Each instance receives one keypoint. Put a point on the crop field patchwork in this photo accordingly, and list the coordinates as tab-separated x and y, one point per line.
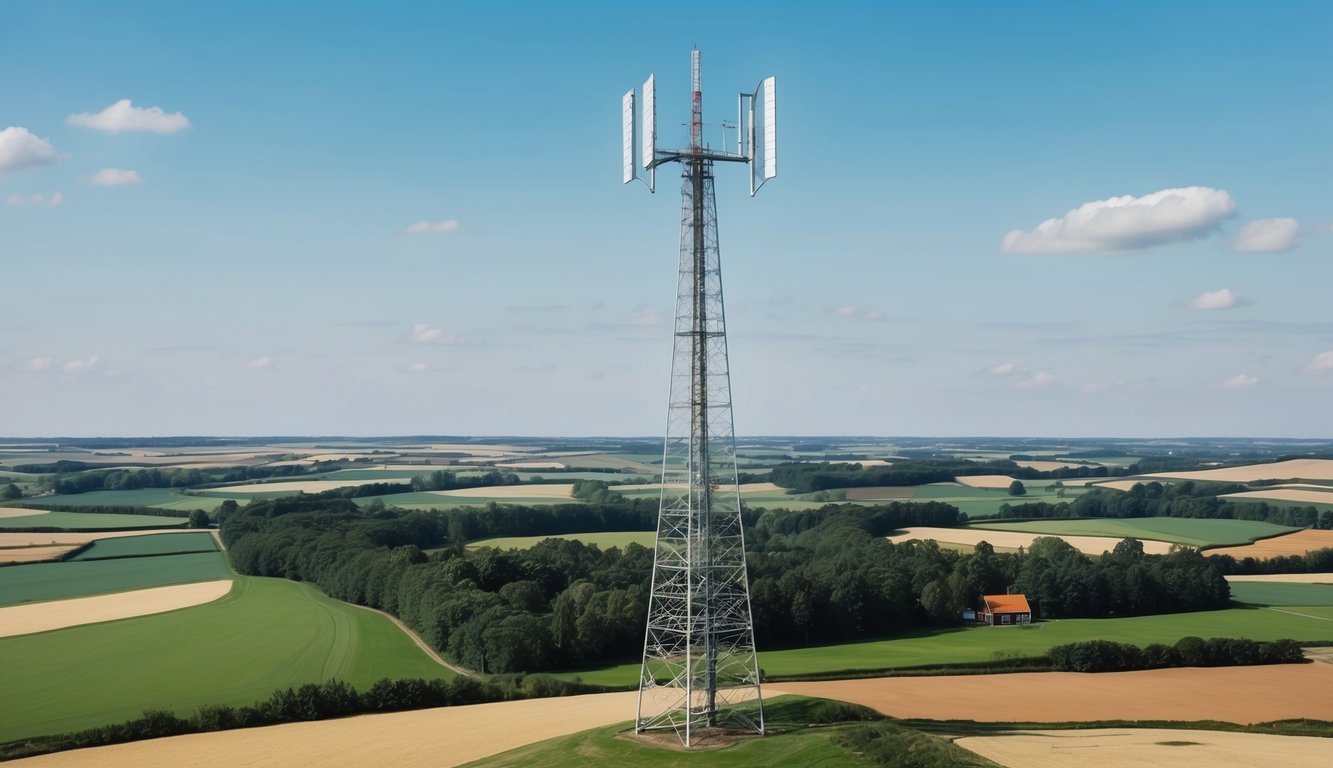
1196	532
1297	543
980	644
266	634
82	521
54	581
1158	747
154	544
605	540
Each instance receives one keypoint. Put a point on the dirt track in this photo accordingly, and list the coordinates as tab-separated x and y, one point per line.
1230	694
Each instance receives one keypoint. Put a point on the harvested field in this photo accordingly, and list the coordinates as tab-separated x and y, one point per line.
1092	545
1049	466
1161	747
881	493
552	491
76	538
1295	469
985	481
1119	485
1286	494
1286	578
20	512
33	554
429	738
293	487
1297	543
1252	695
605	540
531	465
58	614
1196	532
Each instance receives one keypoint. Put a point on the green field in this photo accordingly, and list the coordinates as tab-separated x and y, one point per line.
1196	532
425	500
56	581
267	634
791	741
155	544
157	498
986	502
979	644
1271	593
88	521
605	540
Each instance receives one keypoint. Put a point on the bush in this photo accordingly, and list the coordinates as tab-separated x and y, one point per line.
1108	656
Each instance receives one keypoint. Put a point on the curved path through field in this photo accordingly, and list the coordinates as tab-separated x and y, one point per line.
1159	747
1230	694
420	643
428	738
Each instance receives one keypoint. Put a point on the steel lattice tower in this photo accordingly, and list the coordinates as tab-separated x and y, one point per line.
700	669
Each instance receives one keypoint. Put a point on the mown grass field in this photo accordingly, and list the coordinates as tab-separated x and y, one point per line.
1193	531
980	644
266	634
792	741
604	539
85	521
54	581
1277	593
157	498
155	544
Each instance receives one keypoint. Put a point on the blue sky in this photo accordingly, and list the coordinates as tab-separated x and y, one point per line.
255	274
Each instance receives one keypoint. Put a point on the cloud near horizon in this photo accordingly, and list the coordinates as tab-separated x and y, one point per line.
54	200
20	148
1223	298
80	366
1320	363
124	116
1267	236
1127	223
1239	381
431	227
259	363
424	334
115	177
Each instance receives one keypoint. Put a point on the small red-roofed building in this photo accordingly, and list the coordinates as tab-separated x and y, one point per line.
1004	610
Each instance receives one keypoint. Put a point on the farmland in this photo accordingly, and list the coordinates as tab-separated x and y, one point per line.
1181	530
1297	543
143	546
78	521
1159	747
28	618
603	539
981	644
265	634
54	581
1278	593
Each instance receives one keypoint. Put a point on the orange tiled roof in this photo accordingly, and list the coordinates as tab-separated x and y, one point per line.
1007	603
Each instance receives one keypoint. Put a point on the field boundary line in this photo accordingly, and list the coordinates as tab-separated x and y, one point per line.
1302	615
422	644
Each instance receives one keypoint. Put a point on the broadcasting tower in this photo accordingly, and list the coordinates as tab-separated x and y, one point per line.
700	669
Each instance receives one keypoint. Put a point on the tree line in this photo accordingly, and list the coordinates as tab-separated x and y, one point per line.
1109	656
811	477
1185	499
818	576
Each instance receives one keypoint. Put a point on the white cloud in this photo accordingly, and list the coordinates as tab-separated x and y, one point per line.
115	177
1267	236
38	363
36	198
80	366
418	368
424	334
1239	381
260	363
431	227
1003	369
847	311
1038	380
20	149
1223	298
645	316
124	116
1320	363
1127	222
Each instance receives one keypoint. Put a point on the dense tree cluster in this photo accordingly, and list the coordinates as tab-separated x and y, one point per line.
1185	499
1108	656
72	476
808	477
1314	561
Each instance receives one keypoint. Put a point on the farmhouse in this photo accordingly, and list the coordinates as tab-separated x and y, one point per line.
1001	610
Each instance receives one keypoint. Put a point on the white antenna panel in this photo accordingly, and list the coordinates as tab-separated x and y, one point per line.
627	135
764	128
649	143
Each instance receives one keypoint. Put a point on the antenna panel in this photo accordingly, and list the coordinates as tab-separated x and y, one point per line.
763	134
627	136
649	143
